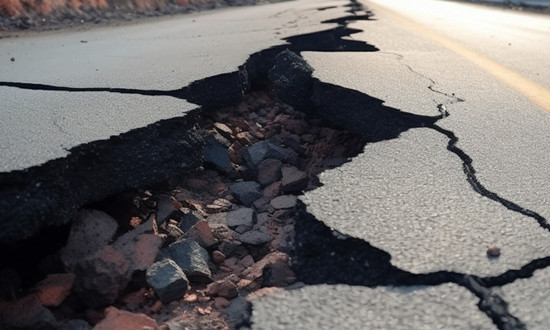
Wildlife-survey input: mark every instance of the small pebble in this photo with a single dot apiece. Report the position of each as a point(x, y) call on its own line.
point(493, 251)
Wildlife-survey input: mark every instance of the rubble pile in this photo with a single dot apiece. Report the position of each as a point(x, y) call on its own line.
point(188, 254)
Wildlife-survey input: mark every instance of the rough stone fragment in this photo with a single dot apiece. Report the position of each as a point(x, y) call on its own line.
point(218, 257)
point(91, 230)
point(53, 290)
point(215, 152)
point(247, 261)
point(188, 219)
point(141, 251)
point(165, 207)
point(222, 288)
point(235, 153)
point(168, 280)
point(256, 271)
point(224, 130)
point(284, 202)
point(269, 171)
point(272, 190)
point(27, 313)
point(123, 320)
point(240, 217)
point(293, 179)
point(221, 303)
point(102, 276)
point(278, 274)
point(255, 237)
point(246, 191)
point(263, 150)
point(190, 257)
point(202, 233)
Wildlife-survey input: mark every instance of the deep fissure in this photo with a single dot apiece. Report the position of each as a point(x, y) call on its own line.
point(386, 123)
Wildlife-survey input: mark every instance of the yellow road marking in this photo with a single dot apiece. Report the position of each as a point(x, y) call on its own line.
point(530, 89)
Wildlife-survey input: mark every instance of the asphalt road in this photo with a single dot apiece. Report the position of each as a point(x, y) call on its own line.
point(431, 198)
point(437, 197)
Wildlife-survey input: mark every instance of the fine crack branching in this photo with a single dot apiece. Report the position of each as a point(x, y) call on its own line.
point(478, 187)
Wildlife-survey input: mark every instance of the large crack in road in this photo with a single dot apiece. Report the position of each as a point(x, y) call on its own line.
point(48, 195)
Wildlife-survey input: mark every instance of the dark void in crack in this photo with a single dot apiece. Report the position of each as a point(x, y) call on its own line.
point(48, 195)
point(43, 196)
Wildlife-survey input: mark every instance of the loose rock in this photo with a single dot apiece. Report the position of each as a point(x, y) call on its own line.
point(255, 237)
point(240, 217)
point(53, 290)
point(122, 320)
point(27, 313)
point(190, 257)
point(246, 191)
point(293, 179)
point(202, 234)
point(269, 171)
point(91, 230)
point(102, 276)
point(168, 280)
point(284, 202)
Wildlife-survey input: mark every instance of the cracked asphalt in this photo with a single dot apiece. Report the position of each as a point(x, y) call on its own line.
point(421, 205)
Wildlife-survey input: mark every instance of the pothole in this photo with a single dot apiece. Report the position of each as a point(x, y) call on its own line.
point(228, 225)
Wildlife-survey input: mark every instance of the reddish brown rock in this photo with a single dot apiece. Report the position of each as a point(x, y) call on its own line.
point(222, 288)
point(273, 268)
point(218, 257)
point(140, 251)
point(235, 153)
point(91, 230)
point(202, 234)
point(123, 320)
point(221, 303)
point(53, 290)
point(27, 313)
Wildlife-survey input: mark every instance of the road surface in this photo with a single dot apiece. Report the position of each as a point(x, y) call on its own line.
point(452, 98)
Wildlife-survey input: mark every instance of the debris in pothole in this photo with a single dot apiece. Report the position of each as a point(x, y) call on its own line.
point(185, 254)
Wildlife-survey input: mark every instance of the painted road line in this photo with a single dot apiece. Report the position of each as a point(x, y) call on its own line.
point(535, 92)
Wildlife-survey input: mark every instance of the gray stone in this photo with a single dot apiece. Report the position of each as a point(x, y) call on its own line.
point(91, 230)
point(188, 219)
point(255, 237)
point(101, 277)
point(263, 150)
point(293, 179)
point(269, 171)
point(240, 217)
point(168, 280)
point(246, 191)
point(165, 207)
point(284, 202)
point(215, 152)
point(190, 257)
